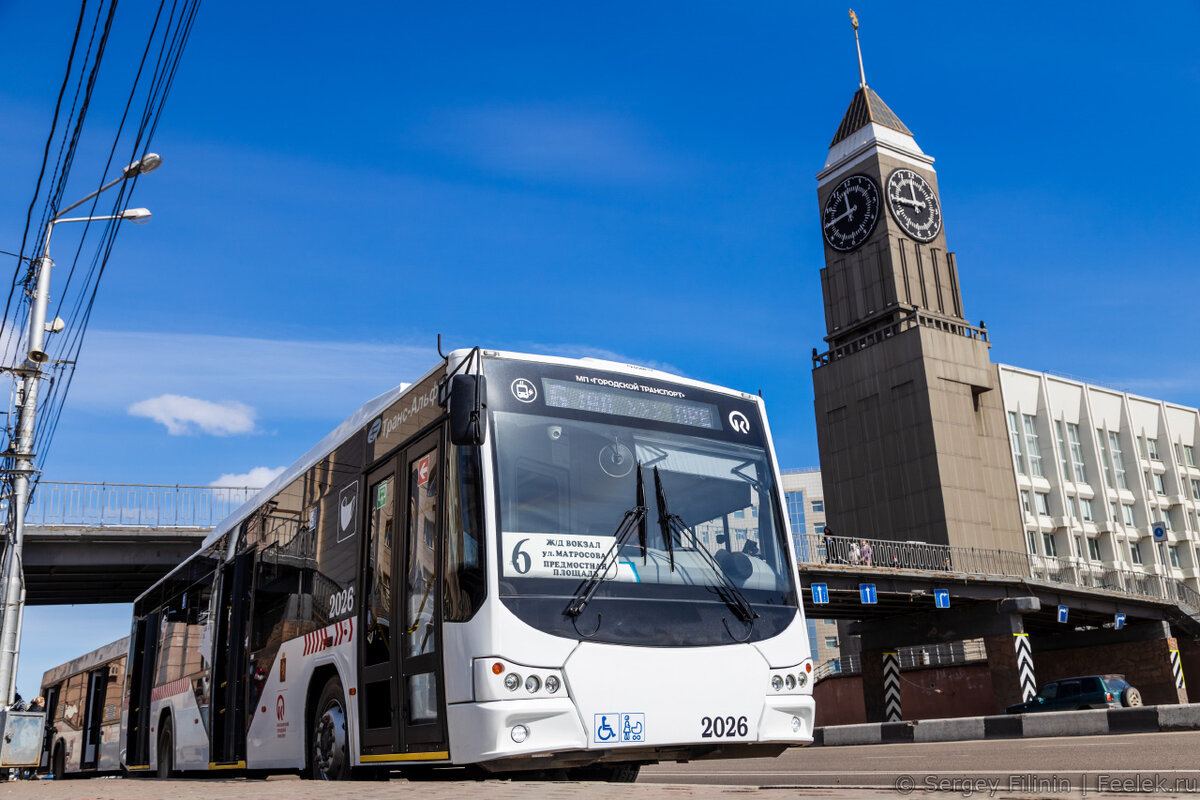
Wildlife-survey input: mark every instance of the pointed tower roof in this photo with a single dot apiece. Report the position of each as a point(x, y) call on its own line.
point(867, 107)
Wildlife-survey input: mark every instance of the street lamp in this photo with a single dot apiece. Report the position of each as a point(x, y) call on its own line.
point(22, 449)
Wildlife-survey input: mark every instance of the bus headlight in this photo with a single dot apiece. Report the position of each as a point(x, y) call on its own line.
point(789, 682)
point(532, 684)
point(552, 684)
point(499, 679)
point(511, 681)
point(776, 683)
point(519, 733)
point(802, 679)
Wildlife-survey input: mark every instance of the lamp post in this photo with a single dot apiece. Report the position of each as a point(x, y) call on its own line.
point(30, 374)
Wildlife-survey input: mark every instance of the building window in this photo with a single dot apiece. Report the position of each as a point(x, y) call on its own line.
point(1094, 549)
point(1062, 450)
point(1135, 553)
point(1166, 518)
point(819, 528)
point(1173, 555)
point(1127, 515)
point(831, 642)
point(1031, 446)
point(1072, 511)
point(1152, 449)
point(1043, 503)
point(1014, 434)
point(1195, 489)
point(1049, 544)
point(818, 506)
point(795, 510)
point(1112, 512)
point(1079, 546)
point(1085, 510)
point(1076, 452)
point(1104, 456)
point(1027, 504)
point(1114, 445)
point(1189, 455)
point(1031, 540)
point(1159, 486)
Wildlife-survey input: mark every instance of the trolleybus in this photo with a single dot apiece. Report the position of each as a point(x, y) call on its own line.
point(518, 562)
point(83, 712)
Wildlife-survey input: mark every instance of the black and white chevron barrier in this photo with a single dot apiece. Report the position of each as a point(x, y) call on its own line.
point(1025, 666)
point(891, 686)
point(1177, 669)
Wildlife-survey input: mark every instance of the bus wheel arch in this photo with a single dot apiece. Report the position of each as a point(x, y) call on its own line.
point(327, 728)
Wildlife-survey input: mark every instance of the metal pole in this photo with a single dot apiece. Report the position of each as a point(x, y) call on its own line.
point(14, 579)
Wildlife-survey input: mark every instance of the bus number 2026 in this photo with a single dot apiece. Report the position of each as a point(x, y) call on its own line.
point(341, 603)
point(723, 727)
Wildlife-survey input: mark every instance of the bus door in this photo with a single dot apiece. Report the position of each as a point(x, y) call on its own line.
point(141, 678)
point(51, 696)
point(423, 726)
point(227, 709)
point(97, 688)
point(401, 676)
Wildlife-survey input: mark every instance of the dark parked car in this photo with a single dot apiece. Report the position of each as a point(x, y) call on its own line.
point(1090, 691)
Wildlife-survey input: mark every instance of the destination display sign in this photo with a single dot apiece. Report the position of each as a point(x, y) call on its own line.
point(629, 398)
point(555, 555)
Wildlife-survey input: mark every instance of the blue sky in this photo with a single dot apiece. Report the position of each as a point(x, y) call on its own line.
point(629, 179)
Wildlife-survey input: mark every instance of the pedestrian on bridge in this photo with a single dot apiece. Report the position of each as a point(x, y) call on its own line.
point(864, 553)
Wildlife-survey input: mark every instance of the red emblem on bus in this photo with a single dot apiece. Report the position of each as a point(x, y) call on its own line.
point(279, 707)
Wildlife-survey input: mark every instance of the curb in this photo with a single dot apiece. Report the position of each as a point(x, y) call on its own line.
point(1141, 719)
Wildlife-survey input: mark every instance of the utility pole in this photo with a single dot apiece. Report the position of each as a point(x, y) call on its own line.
point(29, 377)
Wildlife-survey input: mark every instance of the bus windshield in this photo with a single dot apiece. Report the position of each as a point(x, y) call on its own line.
point(566, 480)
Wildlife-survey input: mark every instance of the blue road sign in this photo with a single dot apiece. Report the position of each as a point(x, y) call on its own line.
point(1062, 613)
point(941, 598)
point(866, 594)
point(1119, 621)
point(820, 594)
point(1159, 529)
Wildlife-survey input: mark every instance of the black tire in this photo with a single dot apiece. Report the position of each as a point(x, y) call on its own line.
point(58, 762)
point(166, 751)
point(1131, 697)
point(328, 740)
point(609, 773)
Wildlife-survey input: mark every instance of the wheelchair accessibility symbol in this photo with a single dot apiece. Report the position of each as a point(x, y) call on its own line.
point(619, 728)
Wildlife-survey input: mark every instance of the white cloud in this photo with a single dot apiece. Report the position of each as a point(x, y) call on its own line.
point(256, 478)
point(185, 415)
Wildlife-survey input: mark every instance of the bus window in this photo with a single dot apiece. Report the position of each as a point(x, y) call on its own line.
point(381, 534)
point(464, 587)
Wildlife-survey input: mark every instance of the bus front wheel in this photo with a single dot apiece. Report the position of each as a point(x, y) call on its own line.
point(328, 750)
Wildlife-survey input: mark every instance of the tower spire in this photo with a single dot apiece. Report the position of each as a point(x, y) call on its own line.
point(862, 75)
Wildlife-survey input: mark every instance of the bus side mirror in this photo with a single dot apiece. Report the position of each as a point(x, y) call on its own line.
point(467, 407)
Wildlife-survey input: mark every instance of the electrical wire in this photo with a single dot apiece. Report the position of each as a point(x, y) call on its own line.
point(165, 45)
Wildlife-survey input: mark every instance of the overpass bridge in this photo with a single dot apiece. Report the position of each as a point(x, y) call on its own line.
point(1069, 616)
point(108, 542)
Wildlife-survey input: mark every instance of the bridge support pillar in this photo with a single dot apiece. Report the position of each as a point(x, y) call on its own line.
point(1145, 653)
point(996, 623)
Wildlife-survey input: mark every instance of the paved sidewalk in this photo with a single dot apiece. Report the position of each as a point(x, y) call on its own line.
point(291, 788)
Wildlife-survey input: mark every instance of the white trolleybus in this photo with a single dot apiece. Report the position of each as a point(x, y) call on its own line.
point(519, 562)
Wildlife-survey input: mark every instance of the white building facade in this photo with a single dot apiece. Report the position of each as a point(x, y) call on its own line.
point(1096, 468)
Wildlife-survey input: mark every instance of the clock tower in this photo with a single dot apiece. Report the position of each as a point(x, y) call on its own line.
point(910, 427)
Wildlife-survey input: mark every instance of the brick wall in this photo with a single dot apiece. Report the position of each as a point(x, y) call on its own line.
point(926, 693)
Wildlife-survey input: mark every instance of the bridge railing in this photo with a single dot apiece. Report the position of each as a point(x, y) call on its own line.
point(1073, 571)
point(927, 655)
point(126, 505)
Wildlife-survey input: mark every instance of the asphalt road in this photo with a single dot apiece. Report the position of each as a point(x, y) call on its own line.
point(1145, 762)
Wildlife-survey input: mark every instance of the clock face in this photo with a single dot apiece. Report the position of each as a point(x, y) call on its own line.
point(914, 205)
point(851, 211)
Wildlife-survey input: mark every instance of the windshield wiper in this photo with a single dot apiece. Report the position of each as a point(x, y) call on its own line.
point(634, 517)
point(673, 525)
